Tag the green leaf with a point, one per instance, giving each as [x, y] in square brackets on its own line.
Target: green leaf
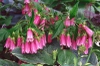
[66, 57]
[58, 28]
[6, 21]
[26, 65]
[38, 7]
[7, 63]
[15, 28]
[74, 10]
[41, 57]
[3, 34]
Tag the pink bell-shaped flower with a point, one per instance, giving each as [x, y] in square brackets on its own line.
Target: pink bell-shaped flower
[88, 30]
[62, 40]
[68, 41]
[27, 47]
[49, 37]
[12, 45]
[83, 39]
[8, 42]
[33, 47]
[67, 22]
[19, 41]
[74, 45]
[30, 37]
[23, 48]
[37, 19]
[26, 9]
[37, 44]
[78, 40]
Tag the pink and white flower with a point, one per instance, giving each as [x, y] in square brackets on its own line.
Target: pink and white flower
[30, 37]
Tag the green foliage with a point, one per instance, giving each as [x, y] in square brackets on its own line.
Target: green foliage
[4, 33]
[66, 57]
[7, 63]
[74, 10]
[58, 28]
[6, 20]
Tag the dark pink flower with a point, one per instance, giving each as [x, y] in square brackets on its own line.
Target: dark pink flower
[37, 19]
[62, 40]
[26, 9]
[19, 41]
[68, 41]
[49, 37]
[67, 22]
[27, 47]
[33, 47]
[88, 30]
[26, 1]
[30, 37]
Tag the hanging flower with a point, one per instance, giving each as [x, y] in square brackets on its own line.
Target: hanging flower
[72, 22]
[37, 19]
[38, 44]
[74, 45]
[26, 9]
[78, 40]
[19, 41]
[83, 39]
[33, 47]
[67, 22]
[27, 47]
[68, 41]
[88, 30]
[8, 42]
[30, 37]
[23, 48]
[62, 40]
[12, 45]
[86, 47]
[49, 37]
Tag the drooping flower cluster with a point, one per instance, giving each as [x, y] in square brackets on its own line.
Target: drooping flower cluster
[84, 37]
[27, 9]
[32, 44]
